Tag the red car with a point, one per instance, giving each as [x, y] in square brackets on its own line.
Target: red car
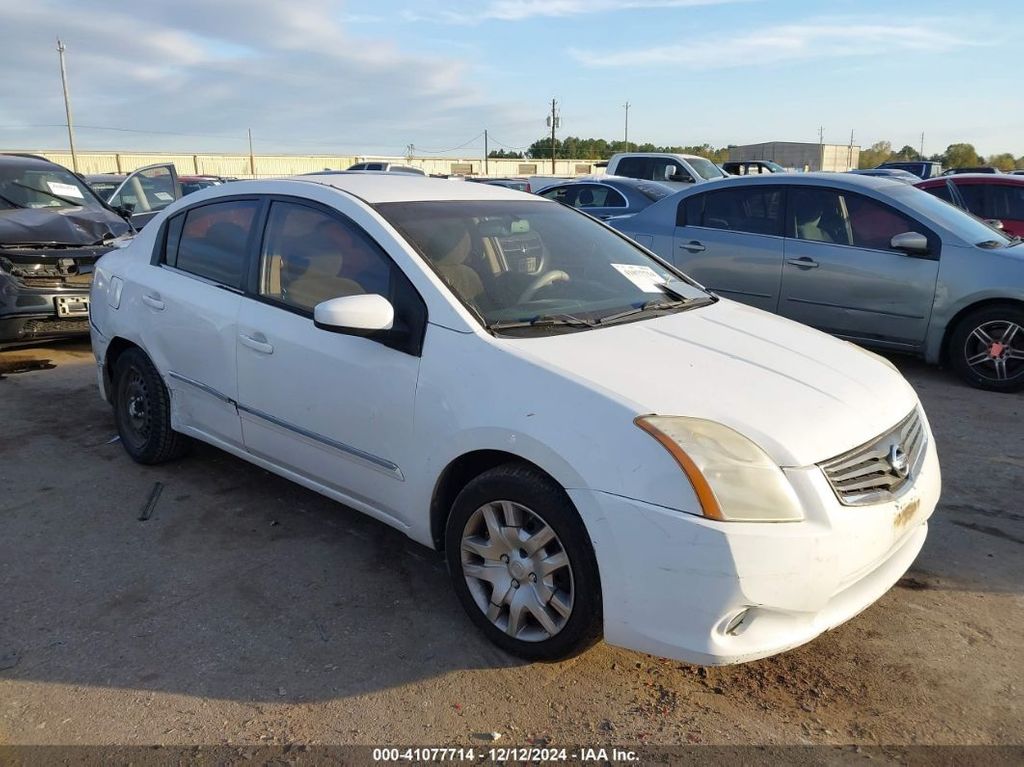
[994, 197]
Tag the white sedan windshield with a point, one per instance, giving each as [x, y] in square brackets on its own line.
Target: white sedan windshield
[514, 261]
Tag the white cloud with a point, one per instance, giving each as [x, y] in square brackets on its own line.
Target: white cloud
[521, 10]
[295, 73]
[823, 38]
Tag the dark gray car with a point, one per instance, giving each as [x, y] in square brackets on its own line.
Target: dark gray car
[608, 196]
[872, 260]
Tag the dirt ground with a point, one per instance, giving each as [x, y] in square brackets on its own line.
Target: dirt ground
[248, 610]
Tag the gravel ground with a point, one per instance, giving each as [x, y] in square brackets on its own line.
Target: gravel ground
[247, 610]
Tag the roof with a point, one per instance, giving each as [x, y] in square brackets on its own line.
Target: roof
[26, 161]
[847, 180]
[988, 178]
[398, 187]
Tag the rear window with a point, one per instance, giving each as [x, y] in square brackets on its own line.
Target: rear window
[211, 241]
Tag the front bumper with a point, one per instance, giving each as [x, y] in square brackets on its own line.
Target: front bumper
[714, 593]
[30, 314]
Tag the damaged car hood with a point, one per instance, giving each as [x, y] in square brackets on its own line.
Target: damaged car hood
[802, 395]
[65, 226]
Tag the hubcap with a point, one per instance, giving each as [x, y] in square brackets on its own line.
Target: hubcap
[995, 350]
[517, 571]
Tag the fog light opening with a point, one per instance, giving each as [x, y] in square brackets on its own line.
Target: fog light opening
[738, 624]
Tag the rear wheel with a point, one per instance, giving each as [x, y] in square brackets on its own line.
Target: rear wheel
[142, 411]
[987, 348]
[522, 564]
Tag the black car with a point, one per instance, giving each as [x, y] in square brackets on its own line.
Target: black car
[975, 169]
[608, 196]
[53, 228]
[751, 167]
[920, 168]
[519, 184]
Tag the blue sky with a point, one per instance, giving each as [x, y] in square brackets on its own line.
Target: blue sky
[374, 77]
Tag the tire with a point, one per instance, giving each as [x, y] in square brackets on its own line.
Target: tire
[142, 411]
[550, 607]
[986, 348]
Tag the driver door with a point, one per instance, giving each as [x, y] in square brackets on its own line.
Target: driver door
[334, 409]
[146, 192]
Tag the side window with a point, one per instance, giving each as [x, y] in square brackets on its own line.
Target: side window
[634, 167]
[975, 199]
[942, 192]
[310, 256]
[1008, 201]
[691, 211]
[558, 193]
[818, 215]
[757, 210]
[874, 224]
[211, 240]
[598, 196]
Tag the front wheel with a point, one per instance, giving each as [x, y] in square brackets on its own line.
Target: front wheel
[522, 564]
[142, 411]
[987, 348]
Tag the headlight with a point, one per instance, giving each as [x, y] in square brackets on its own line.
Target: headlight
[734, 479]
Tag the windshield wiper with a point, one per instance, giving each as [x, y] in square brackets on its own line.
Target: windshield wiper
[653, 305]
[70, 202]
[543, 321]
[11, 202]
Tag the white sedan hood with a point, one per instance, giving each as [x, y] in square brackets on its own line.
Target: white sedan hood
[802, 395]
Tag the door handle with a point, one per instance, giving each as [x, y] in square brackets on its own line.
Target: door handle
[693, 246]
[153, 301]
[257, 342]
[803, 263]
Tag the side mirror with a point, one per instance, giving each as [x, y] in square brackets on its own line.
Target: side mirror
[995, 223]
[126, 209]
[670, 172]
[355, 315]
[913, 243]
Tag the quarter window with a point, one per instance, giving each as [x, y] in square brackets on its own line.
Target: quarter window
[310, 256]
[211, 241]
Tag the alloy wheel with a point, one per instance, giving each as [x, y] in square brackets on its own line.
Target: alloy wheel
[994, 350]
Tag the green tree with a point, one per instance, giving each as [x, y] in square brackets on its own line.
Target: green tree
[1003, 162]
[875, 155]
[961, 156]
[1020, 163]
[501, 154]
[907, 154]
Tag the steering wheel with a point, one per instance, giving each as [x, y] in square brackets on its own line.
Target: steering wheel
[542, 281]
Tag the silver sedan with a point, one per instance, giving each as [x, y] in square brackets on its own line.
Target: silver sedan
[872, 260]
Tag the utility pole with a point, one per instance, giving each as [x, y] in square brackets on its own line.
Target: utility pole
[252, 158]
[67, 105]
[485, 151]
[922, 145]
[821, 147]
[849, 157]
[625, 137]
[554, 121]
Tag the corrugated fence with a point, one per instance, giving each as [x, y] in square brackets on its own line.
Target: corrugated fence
[268, 166]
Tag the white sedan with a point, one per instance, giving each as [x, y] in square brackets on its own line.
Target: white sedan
[599, 445]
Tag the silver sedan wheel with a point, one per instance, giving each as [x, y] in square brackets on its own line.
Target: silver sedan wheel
[517, 571]
[995, 350]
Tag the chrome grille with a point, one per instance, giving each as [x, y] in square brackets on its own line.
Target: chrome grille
[867, 474]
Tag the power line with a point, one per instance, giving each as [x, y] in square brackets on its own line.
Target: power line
[460, 146]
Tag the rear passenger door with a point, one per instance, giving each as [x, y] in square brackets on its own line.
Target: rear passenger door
[730, 240]
[335, 410]
[842, 275]
[193, 290]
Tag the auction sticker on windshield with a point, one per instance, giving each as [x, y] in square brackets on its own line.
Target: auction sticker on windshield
[65, 190]
[643, 277]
